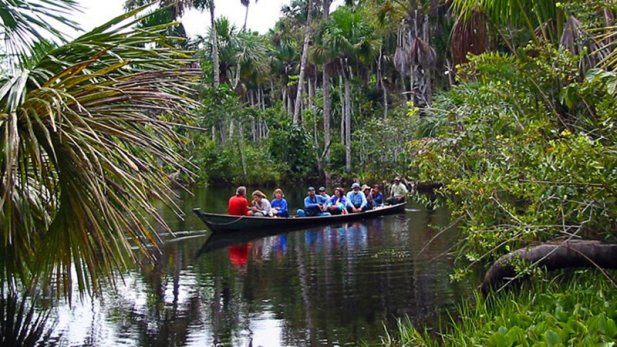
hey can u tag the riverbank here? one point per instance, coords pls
(572, 309)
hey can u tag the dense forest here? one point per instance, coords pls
(509, 104)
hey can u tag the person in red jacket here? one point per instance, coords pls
(238, 205)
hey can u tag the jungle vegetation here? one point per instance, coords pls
(510, 104)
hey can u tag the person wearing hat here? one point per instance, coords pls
(322, 192)
(398, 192)
(356, 199)
(314, 205)
(261, 206)
(238, 205)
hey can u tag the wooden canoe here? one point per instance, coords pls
(226, 223)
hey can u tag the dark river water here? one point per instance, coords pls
(326, 286)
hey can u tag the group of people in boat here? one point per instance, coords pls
(358, 199)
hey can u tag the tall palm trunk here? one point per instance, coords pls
(381, 78)
(238, 66)
(347, 124)
(303, 62)
(216, 78)
(326, 92)
(342, 101)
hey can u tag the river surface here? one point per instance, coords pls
(326, 286)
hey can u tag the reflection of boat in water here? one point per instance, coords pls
(222, 240)
(226, 223)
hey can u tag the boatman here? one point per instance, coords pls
(398, 192)
(238, 205)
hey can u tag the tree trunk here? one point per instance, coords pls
(342, 101)
(246, 15)
(326, 92)
(347, 125)
(216, 78)
(241, 148)
(567, 254)
(382, 83)
(238, 66)
(303, 62)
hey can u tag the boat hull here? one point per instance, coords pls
(225, 223)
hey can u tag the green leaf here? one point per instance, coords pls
(552, 338)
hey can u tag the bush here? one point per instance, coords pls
(520, 166)
(292, 145)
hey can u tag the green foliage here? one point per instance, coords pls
(222, 164)
(293, 146)
(580, 311)
(519, 165)
(378, 146)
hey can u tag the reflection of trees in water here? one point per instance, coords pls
(339, 282)
(170, 308)
(334, 284)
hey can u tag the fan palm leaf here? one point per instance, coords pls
(540, 17)
(23, 23)
(84, 135)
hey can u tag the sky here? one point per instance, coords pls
(262, 15)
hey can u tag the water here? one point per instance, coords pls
(328, 286)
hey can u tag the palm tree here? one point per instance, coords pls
(86, 128)
(303, 62)
(285, 57)
(246, 4)
(23, 25)
(326, 92)
(347, 39)
(543, 19)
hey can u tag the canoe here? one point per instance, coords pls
(226, 223)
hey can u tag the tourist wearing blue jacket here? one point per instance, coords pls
(314, 205)
(279, 204)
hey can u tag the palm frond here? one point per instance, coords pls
(25, 22)
(86, 134)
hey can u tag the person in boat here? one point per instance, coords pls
(398, 192)
(369, 200)
(377, 196)
(238, 205)
(322, 192)
(337, 204)
(356, 200)
(261, 206)
(279, 204)
(314, 205)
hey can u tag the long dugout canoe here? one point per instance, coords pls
(226, 223)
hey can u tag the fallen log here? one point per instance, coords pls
(567, 254)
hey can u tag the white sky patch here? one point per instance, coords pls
(262, 15)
